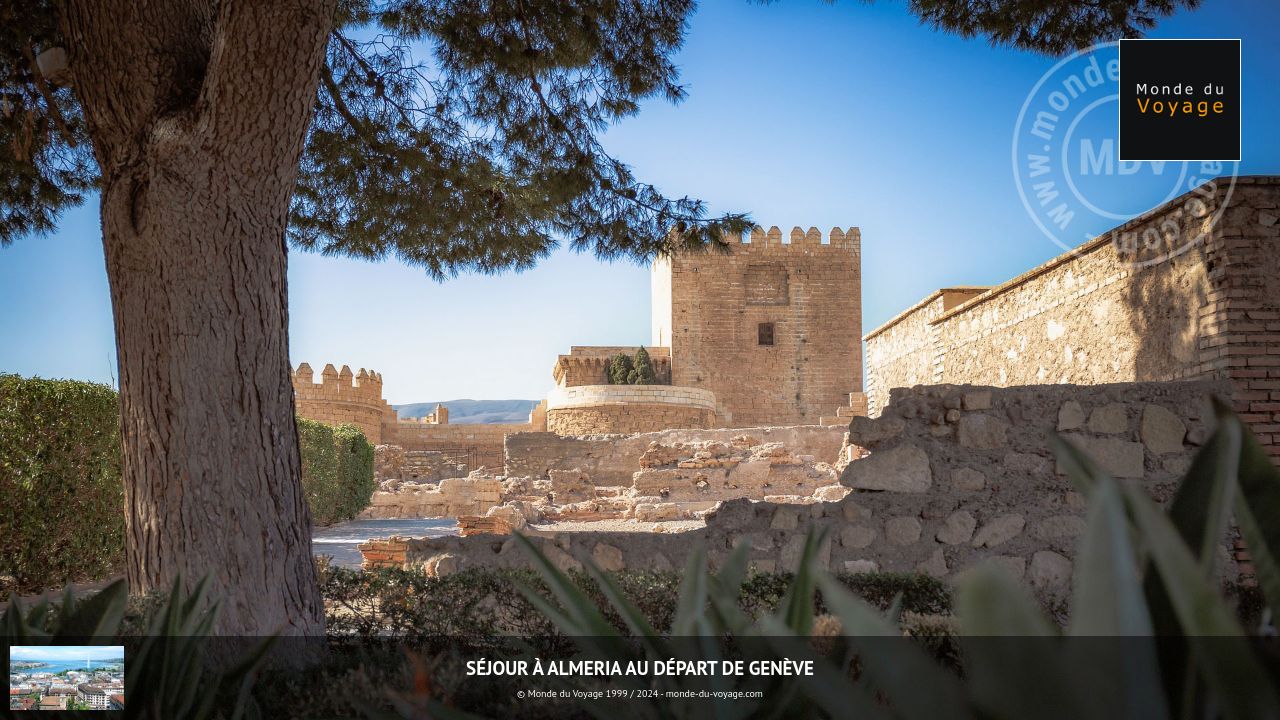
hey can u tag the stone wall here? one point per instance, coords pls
(596, 409)
(900, 352)
(451, 497)
(611, 460)
(709, 309)
(1113, 311)
(956, 475)
(484, 439)
(394, 463)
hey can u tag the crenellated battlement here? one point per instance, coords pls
(773, 239)
(343, 396)
(361, 385)
(589, 365)
(772, 327)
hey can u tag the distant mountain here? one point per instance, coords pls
(471, 412)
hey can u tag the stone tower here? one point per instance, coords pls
(773, 328)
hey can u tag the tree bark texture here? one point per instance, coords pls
(198, 112)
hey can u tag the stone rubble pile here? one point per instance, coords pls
(676, 481)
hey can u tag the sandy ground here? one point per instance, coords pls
(671, 526)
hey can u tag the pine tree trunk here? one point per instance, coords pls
(198, 113)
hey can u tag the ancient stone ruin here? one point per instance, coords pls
(758, 428)
(939, 491)
(646, 477)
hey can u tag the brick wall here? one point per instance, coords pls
(1241, 315)
(708, 309)
(1093, 316)
(389, 552)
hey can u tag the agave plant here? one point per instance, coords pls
(1150, 634)
(169, 673)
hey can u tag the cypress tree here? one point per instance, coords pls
(620, 369)
(642, 370)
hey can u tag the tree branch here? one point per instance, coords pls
(359, 126)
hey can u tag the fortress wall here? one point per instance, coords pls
(900, 352)
(1242, 315)
(342, 397)
(484, 440)
(956, 476)
(1092, 316)
(356, 398)
(631, 417)
(810, 291)
(595, 409)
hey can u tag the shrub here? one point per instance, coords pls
(62, 507)
(921, 594)
(642, 369)
(355, 469)
(61, 496)
(481, 603)
(620, 369)
(319, 468)
(337, 470)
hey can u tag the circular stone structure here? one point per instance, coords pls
(625, 409)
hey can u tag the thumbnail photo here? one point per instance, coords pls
(66, 677)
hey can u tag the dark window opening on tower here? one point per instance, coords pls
(764, 334)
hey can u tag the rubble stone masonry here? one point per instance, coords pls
(1092, 316)
(771, 328)
(612, 460)
(956, 475)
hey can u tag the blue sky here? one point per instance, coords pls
(66, 653)
(800, 112)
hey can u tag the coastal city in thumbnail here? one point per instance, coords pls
(66, 677)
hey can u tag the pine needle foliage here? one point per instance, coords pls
(453, 135)
(463, 135)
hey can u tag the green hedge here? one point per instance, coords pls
(337, 470)
(61, 493)
(355, 467)
(61, 497)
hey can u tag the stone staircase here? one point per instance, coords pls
(857, 407)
